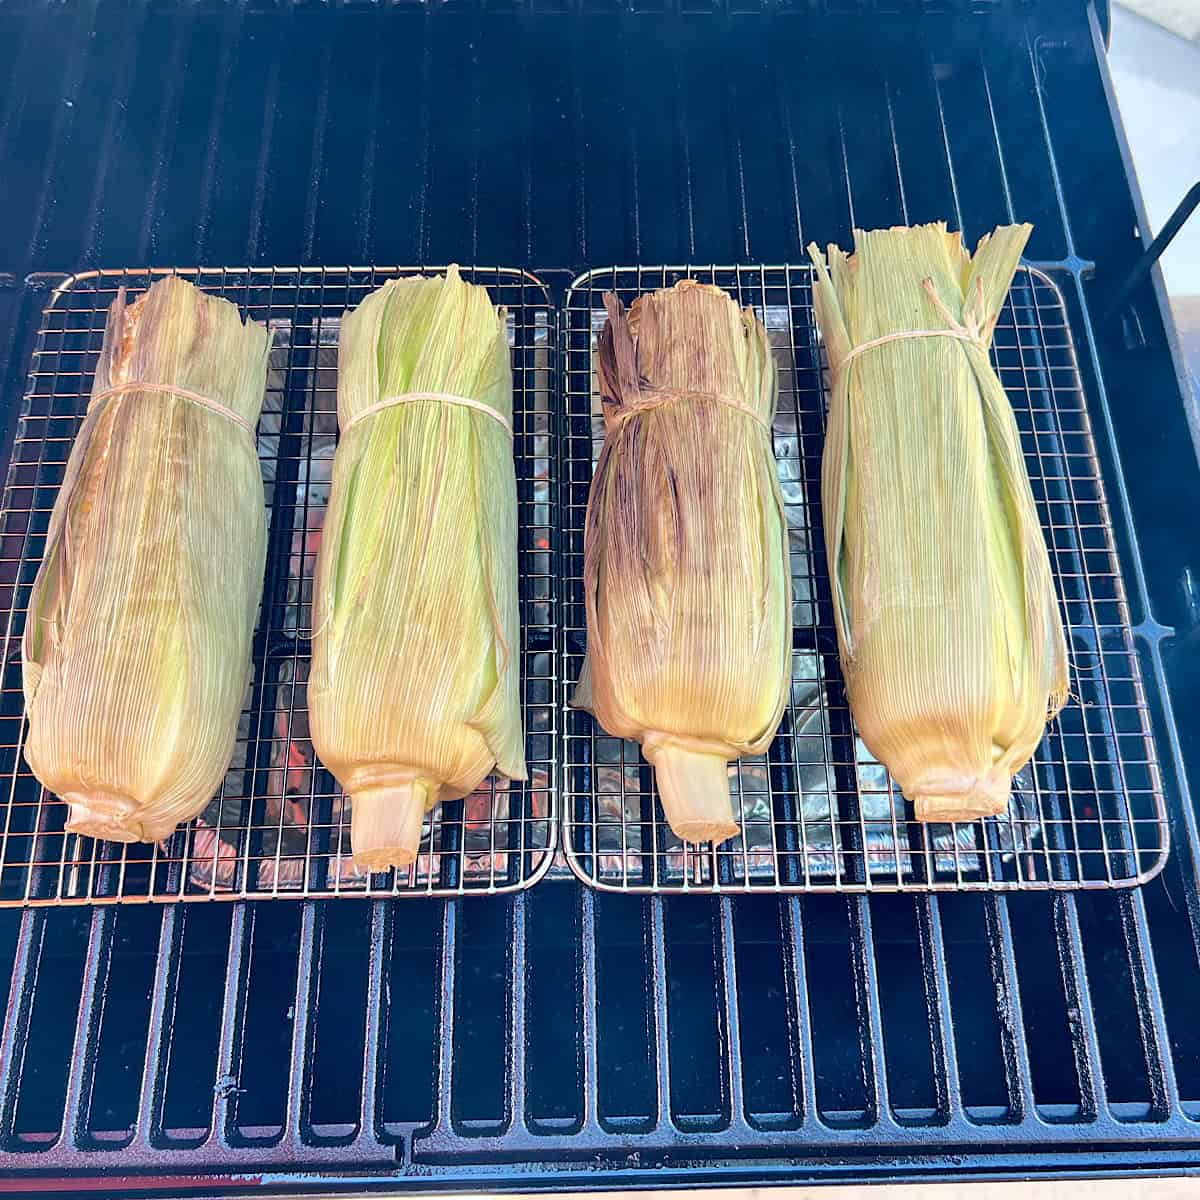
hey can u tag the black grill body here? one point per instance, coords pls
(562, 1038)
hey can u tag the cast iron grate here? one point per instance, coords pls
(279, 826)
(818, 812)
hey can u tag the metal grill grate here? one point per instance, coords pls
(818, 812)
(279, 826)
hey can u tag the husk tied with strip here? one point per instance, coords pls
(414, 695)
(951, 641)
(687, 583)
(137, 647)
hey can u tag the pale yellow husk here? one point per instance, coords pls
(137, 647)
(951, 640)
(687, 583)
(414, 695)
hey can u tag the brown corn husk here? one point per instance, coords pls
(137, 648)
(951, 640)
(687, 580)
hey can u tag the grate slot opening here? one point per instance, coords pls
(45, 1051)
(554, 1100)
(1174, 944)
(906, 1010)
(482, 1054)
(340, 1021)
(977, 1002)
(768, 1041)
(1053, 1051)
(840, 1055)
(818, 812)
(625, 1028)
(413, 976)
(187, 1105)
(699, 1090)
(259, 1088)
(1120, 1035)
(123, 1023)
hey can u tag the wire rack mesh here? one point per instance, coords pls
(818, 812)
(280, 825)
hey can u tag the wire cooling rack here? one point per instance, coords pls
(817, 812)
(279, 826)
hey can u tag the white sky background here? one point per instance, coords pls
(1157, 77)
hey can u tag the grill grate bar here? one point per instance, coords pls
(588, 1007)
(1148, 1001)
(421, 223)
(97, 967)
(31, 938)
(730, 1026)
(262, 166)
(515, 1065)
(168, 123)
(208, 174)
(320, 127)
(162, 1011)
(308, 967)
(379, 954)
(1018, 1073)
(945, 1050)
(1093, 1096)
(118, 102)
(443, 1129)
(801, 1028)
(870, 1024)
(944, 1130)
(10, 90)
(997, 140)
(370, 151)
(61, 129)
(660, 1014)
(233, 1028)
(665, 1128)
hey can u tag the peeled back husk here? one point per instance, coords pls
(414, 695)
(686, 573)
(951, 641)
(137, 647)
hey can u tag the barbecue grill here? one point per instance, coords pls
(784, 1025)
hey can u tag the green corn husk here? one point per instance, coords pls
(414, 694)
(137, 648)
(951, 640)
(687, 582)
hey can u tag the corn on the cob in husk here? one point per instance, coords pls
(414, 695)
(951, 641)
(687, 582)
(137, 647)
